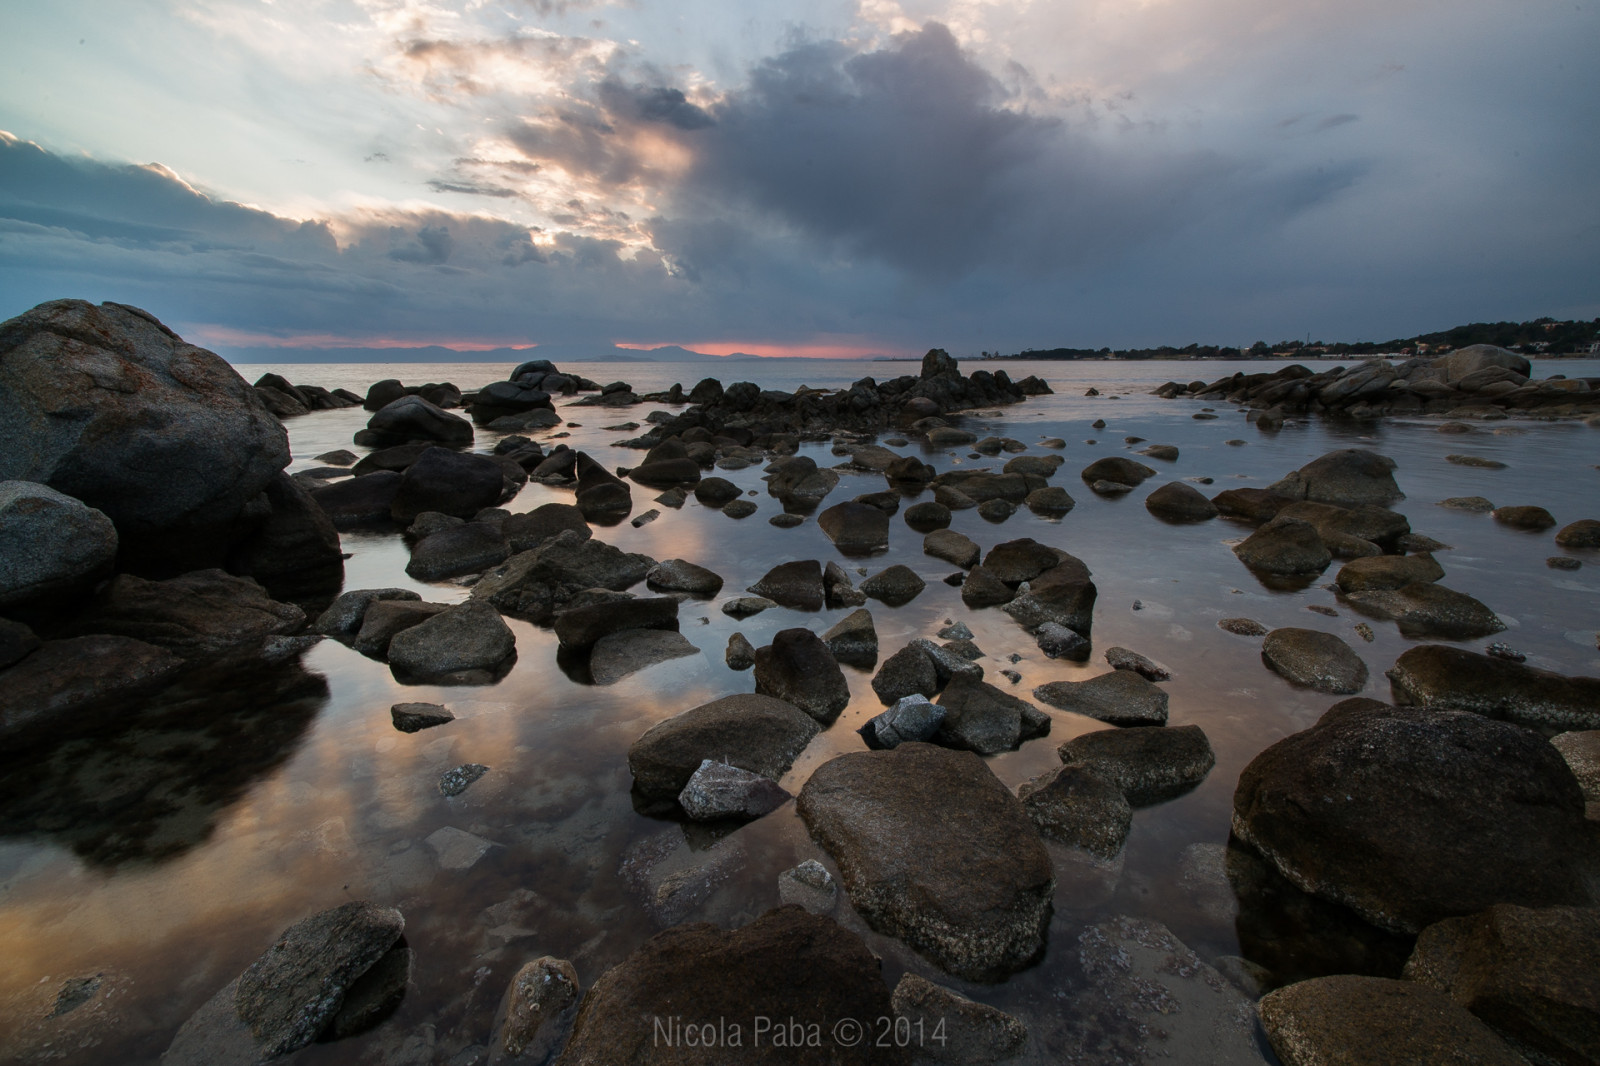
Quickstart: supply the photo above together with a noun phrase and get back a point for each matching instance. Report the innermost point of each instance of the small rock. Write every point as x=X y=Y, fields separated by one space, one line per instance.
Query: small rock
x=740 y=509
x=809 y=885
x=896 y=585
x=745 y=606
x=1059 y=642
x=1468 y=503
x=454 y=782
x=533 y=1015
x=1563 y=562
x=911 y=718
x=1124 y=659
x=1120 y=697
x=645 y=519
x=741 y=655
x=952 y=547
x=1526 y=517
x=1501 y=650
x=786 y=520
x=1244 y=627
x=717 y=790
x=678 y=575
x=1584 y=533
x=1317 y=660
x=456 y=849
x=1475 y=460
x=413 y=717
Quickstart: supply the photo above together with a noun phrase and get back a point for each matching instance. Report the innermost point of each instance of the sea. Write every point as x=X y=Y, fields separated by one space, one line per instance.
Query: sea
x=161 y=863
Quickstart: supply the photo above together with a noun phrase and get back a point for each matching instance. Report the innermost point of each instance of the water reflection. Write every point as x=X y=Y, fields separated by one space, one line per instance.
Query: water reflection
x=151 y=783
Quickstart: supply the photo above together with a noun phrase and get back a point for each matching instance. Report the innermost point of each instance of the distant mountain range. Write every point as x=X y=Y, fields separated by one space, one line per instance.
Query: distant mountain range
x=435 y=353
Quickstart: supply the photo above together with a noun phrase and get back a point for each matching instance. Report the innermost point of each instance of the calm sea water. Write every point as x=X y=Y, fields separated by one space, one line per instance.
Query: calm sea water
x=168 y=878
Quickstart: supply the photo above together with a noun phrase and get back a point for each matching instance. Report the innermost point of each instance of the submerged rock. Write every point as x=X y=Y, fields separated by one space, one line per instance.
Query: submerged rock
x=809 y=885
x=616 y=655
x=969 y=1033
x=934 y=850
x=58 y=685
x=534 y=1015
x=1407 y=816
x=855 y=528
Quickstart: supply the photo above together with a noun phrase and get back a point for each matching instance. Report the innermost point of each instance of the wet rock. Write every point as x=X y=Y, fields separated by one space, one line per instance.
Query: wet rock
x=716 y=492
x=456 y=849
x=1016 y=561
x=799 y=483
x=616 y=655
x=1116 y=468
x=1034 y=465
x=678 y=575
x=952 y=547
x=339 y=457
x=414 y=717
x=17 y=642
x=364 y=500
x=454 y=483
x=52 y=547
x=951 y=499
x=981 y=718
x=1467 y=503
x=927 y=516
x=1317 y=660
x=798 y=668
x=853 y=639
x=1178 y=502
x=972 y=892
x=1347 y=477
x=741 y=654
x=196 y=616
x=1124 y=659
x=1581 y=750
x=456 y=781
x=385 y=618
x=535 y=584
x=996 y=510
x=412 y=418
x=1407 y=816
x=837 y=589
x=786 y=521
x=1059 y=642
x=1350 y=532
x=1160 y=451
x=1285 y=546
x=465 y=644
x=1525 y=972
x=1584 y=533
x=797 y=584
x=463 y=549
x=1120 y=698
x=1075 y=806
x=1134 y=993
x=1387 y=572
x=1443 y=678
x=855 y=528
x=751 y=731
x=294 y=553
x=162 y=437
x=288 y=996
x=947 y=665
x=982 y=589
x=1243 y=627
x=1252 y=505
x=535 y=1013
x=602 y=496
x=828 y=974
x=1063 y=594
x=1148 y=765
x=528 y=530
x=1373 y=1021
x=718 y=790
x=911 y=718
x=56 y=685
x=906 y=672
x=1563 y=562
x=666 y=473
x=1534 y=518
x=1050 y=501
x=809 y=885
x=894 y=585
x=745 y=606
x=1423 y=610
x=970 y=1033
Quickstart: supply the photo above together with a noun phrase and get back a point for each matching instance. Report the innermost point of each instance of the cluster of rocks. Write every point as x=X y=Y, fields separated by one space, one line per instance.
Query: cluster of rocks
x=423 y=642
x=1477 y=382
x=286 y=400
x=146 y=522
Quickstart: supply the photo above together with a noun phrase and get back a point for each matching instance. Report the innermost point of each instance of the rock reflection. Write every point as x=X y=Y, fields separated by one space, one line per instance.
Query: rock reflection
x=152 y=784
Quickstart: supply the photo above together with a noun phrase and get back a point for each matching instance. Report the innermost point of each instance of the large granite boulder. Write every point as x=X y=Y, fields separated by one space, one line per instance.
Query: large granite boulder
x=535 y=584
x=466 y=644
x=933 y=849
x=294 y=553
x=1476 y=357
x=412 y=418
x=750 y=731
x=1439 y=677
x=798 y=668
x=1284 y=546
x=1407 y=816
x=195 y=616
x=775 y=991
x=1376 y=1021
x=452 y=483
x=110 y=407
x=52 y=547
x=1529 y=973
x=1347 y=477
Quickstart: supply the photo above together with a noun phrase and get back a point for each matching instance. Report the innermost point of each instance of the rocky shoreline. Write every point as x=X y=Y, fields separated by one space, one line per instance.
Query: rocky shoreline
x=155 y=552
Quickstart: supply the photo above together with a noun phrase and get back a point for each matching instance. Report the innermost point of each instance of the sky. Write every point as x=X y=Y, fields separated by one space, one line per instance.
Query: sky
x=802 y=177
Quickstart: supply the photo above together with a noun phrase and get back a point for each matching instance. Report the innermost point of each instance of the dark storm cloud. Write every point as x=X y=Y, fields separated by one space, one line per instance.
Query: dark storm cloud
x=643 y=103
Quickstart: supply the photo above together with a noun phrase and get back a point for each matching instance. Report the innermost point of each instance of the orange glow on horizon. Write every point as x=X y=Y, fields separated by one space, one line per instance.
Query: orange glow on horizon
x=851 y=349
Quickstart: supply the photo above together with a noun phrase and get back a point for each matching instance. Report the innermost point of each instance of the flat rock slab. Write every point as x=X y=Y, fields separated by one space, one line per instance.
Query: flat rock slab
x=616 y=655
x=933 y=849
x=1423 y=610
x=1440 y=677
x=1148 y=765
x=1120 y=697
x=1374 y=1021
x=1315 y=659
x=1408 y=816
x=457 y=849
x=678 y=998
x=753 y=732
x=1134 y=993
